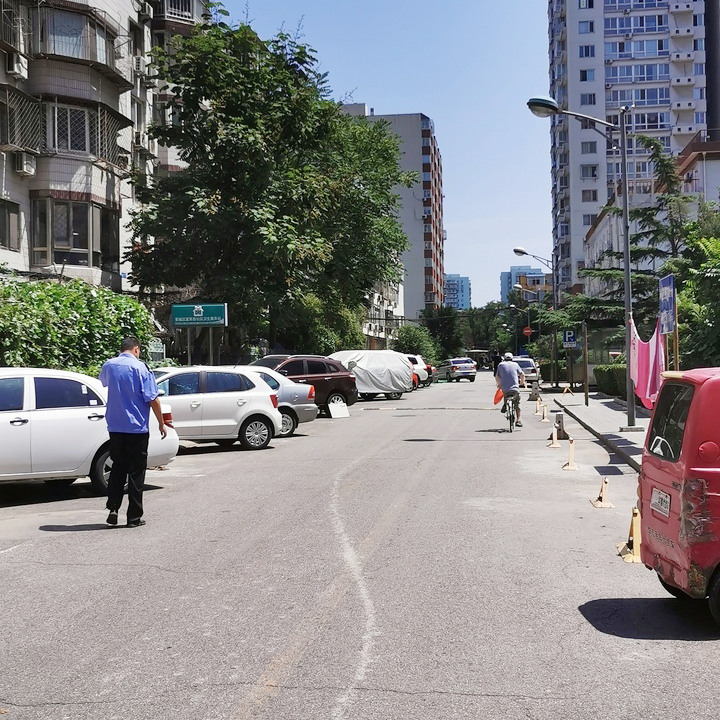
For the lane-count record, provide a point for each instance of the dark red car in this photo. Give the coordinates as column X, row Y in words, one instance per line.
column 333, row 383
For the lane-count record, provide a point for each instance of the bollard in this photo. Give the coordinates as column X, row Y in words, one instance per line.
column 560, row 424
column 601, row 501
column 544, row 417
column 534, row 392
column 554, row 438
column 630, row 551
column 570, row 464
column 537, row 407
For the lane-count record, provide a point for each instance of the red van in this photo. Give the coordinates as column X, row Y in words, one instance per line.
column 680, row 487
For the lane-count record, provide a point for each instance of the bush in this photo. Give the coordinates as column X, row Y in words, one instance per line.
column 71, row 326
column 546, row 371
column 417, row 340
column 610, row 379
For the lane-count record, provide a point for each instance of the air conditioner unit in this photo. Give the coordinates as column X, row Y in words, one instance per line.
column 626, row 11
column 628, row 36
column 146, row 11
column 139, row 65
column 16, row 65
column 608, row 61
column 608, row 86
column 140, row 138
column 25, row 164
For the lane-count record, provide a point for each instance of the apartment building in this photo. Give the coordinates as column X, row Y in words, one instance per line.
column 605, row 54
column 458, row 292
column 532, row 276
column 76, row 100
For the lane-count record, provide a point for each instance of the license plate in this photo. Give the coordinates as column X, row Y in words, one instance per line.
column 660, row 501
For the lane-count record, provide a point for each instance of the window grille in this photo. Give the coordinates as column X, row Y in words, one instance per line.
column 20, row 125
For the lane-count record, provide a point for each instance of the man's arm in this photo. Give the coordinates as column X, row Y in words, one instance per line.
column 157, row 409
column 522, row 378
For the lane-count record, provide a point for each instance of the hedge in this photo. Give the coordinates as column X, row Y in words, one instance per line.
column 545, row 370
column 611, row 379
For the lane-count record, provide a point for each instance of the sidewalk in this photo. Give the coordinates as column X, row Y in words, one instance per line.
column 603, row 417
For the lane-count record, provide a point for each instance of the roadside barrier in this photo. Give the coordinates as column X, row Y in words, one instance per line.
column 570, row 464
column 537, row 407
column 554, row 438
column 544, row 417
column 601, row 501
column 630, row 551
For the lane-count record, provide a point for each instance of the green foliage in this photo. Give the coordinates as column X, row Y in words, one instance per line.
column 416, row 339
column 71, row 326
column 443, row 325
column 610, row 379
column 284, row 197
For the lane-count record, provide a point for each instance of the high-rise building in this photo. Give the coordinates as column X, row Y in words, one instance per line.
column 76, row 99
column 648, row 55
column 421, row 214
column 508, row 280
column 457, row 292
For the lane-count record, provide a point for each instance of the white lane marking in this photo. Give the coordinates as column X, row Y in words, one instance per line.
column 6, row 550
column 353, row 564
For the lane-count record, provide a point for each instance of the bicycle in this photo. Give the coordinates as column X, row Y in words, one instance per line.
column 511, row 413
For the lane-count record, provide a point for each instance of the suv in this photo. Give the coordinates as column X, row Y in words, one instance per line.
column 421, row 369
column 333, row 383
column 456, row 368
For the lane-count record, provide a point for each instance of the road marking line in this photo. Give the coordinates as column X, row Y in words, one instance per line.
column 2, row 552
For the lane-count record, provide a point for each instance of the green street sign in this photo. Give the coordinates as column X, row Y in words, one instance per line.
column 199, row 315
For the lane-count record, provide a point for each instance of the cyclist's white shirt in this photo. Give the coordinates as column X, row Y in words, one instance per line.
column 508, row 373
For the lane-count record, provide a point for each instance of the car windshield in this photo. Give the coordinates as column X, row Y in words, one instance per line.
column 270, row 361
column 160, row 373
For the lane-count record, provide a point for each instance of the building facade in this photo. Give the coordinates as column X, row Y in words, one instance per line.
column 76, row 99
column 509, row 279
column 458, row 292
column 648, row 55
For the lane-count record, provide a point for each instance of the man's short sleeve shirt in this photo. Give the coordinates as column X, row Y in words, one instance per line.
column 131, row 388
column 509, row 374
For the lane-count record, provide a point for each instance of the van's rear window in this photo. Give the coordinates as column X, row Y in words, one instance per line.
column 668, row 427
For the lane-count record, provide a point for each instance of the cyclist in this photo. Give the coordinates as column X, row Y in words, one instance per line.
column 509, row 377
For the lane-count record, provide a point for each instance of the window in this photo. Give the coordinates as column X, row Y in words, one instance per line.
column 587, row 51
column 588, row 148
column 698, row 93
column 427, row 194
column 60, row 393
column 587, row 98
column 699, row 69
column 699, row 44
column 428, row 262
column 617, row 25
column 588, row 171
column 698, row 20
column 12, row 392
column 316, row 367
column 426, row 141
column 218, row 382
column 183, row 384
column 589, row 195
column 586, row 4
column 427, row 228
column 589, row 219
column 9, row 225
column 587, row 75
column 270, row 380
column 427, row 176
column 75, row 35
column 650, row 23
column 586, row 26
column 668, row 428
column 293, row 367
column 587, row 124
column 700, row 118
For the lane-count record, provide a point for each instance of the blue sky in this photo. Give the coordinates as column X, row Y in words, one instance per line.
column 470, row 65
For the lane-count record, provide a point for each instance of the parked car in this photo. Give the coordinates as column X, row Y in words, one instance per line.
column 52, row 427
column 378, row 372
column 527, row 365
column 296, row 401
column 221, row 405
column 333, row 383
column 421, row 369
column 457, row 368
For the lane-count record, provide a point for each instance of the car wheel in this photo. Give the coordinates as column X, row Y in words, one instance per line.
column 255, row 433
column 472, row 379
column 225, row 443
column 334, row 398
column 393, row 395
column 368, row 396
column 289, row 423
column 676, row 592
column 448, row 378
column 100, row 471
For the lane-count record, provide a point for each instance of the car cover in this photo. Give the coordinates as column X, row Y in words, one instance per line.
column 377, row 371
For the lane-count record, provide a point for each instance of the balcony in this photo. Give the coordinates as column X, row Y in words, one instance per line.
column 677, row 8
column 681, row 57
column 681, row 105
column 183, row 10
column 687, row 32
column 687, row 81
column 684, row 130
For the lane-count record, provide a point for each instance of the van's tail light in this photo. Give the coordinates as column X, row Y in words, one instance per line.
column 273, row 397
column 311, row 393
column 167, row 419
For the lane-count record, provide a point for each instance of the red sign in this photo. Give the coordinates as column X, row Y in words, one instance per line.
column 528, row 331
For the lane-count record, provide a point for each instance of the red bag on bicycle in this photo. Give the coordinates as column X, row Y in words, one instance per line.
column 498, row 396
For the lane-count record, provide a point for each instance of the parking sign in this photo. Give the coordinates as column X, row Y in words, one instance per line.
column 569, row 339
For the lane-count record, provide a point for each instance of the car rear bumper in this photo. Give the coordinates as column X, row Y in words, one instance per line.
column 306, row 413
column 463, row 373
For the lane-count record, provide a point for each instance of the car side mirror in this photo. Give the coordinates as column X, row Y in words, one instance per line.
column 283, row 372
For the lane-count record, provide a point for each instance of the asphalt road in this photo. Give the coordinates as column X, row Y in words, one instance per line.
column 411, row 561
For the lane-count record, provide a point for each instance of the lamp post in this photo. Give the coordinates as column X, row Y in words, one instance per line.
column 547, row 107
column 552, row 266
column 518, row 286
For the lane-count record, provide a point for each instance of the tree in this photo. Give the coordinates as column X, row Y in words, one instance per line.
column 284, row 196
column 443, row 325
column 416, row 339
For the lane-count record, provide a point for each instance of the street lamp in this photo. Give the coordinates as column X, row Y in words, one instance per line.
column 545, row 107
column 518, row 286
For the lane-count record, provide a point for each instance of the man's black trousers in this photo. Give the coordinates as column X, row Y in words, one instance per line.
column 128, row 452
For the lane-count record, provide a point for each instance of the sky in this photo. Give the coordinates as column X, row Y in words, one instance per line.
column 471, row 66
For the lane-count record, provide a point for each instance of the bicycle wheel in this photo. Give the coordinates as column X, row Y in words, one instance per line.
column 511, row 414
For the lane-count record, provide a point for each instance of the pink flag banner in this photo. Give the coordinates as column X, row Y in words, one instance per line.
column 647, row 362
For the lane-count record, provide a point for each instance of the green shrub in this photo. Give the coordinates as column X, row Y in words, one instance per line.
column 546, row 371
column 610, row 379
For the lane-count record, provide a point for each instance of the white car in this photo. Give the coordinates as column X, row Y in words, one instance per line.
column 296, row 401
column 529, row 368
column 52, row 427
column 420, row 369
column 221, row 405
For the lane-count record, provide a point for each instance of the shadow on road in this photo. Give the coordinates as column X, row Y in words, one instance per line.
column 494, row 430
column 34, row 492
column 76, row 528
column 216, row 449
column 419, row 440
column 651, row 618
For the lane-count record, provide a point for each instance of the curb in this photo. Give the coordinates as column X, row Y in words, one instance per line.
column 604, row 439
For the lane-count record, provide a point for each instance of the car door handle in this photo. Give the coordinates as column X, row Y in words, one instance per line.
column 95, row 416
column 241, row 402
column 195, row 404
column 301, row 381
column 326, row 378
column 19, row 421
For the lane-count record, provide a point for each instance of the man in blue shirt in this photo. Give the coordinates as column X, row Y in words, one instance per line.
column 132, row 391
column 509, row 377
